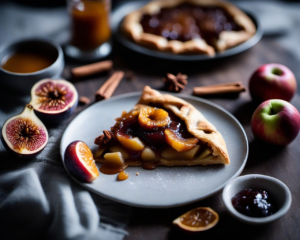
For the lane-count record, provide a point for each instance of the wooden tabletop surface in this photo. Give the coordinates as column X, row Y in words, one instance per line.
column 279, row 162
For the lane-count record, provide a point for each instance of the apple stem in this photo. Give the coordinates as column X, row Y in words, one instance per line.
column 271, row 109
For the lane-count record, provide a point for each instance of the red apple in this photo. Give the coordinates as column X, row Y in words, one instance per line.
column 276, row 121
column 272, row 81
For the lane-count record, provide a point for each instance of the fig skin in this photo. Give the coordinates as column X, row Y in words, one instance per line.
column 37, row 121
column 54, row 116
column 74, row 166
column 23, row 156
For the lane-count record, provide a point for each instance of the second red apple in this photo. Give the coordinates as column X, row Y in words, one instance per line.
column 272, row 81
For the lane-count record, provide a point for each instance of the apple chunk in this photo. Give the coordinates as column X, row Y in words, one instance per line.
column 119, row 148
column 171, row 153
column 115, row 159
column 99, row 152
column 148, row 155
column 134, row 143
column 205, row 153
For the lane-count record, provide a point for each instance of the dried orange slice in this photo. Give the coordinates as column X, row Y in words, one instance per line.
column 198, row 219
column 80, row 163
column 152, row 118
column 178, row 143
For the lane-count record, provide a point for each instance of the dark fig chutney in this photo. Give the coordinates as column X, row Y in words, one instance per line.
column 254, row 203
column 188, row 21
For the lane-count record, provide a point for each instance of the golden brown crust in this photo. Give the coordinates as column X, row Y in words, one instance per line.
column 133, row 29
column 196, row 123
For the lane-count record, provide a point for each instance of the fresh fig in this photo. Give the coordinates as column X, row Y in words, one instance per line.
column 53, row 100
column 24, row 134
column 80, row 163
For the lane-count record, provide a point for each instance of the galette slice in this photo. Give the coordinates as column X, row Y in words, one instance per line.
column 160, row 130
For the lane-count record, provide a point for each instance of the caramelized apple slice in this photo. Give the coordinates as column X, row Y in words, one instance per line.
column 148, row 155
column 99, row 152
column 151, row 118
column 134, row 143
column 119, row 148
column 171, row 153
column 114, row 159
column 178, row 143
column 205, row 153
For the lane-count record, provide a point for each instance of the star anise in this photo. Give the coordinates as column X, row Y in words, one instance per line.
column 175, row 83
column 108, row 138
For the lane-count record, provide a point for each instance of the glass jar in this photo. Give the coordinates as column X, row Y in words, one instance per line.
column 90, row 28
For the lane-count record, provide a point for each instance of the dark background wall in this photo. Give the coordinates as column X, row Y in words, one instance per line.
column 53, row 3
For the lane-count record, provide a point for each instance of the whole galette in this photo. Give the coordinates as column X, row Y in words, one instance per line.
column 188, row 26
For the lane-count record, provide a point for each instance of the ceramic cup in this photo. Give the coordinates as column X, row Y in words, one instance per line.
column 22, row 82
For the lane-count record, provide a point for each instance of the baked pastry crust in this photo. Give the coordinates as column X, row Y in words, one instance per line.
column 196, row 124
column 132, row 28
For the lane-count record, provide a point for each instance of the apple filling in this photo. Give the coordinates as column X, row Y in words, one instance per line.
column 148, row 137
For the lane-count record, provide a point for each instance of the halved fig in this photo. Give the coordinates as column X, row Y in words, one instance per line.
column 178, row 143
column 24, row 134
column 80, row 163
column 152, row 118
column 54, row 100
column 198, row 219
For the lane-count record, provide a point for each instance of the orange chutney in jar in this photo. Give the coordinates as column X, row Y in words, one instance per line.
column 90, row 23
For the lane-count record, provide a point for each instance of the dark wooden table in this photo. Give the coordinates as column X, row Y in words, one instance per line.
column 279, row 162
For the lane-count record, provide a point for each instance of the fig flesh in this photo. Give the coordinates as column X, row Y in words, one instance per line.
column 24, row 134
column 53, row 100
column 80, row 163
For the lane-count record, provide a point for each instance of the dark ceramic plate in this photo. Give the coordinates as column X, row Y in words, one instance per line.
column 165, row 186
column 122, row 10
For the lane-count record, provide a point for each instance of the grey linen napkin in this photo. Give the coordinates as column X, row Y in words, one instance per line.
column 38, row 200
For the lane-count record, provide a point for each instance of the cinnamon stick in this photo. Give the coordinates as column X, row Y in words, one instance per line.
column 224, row 85
column 91, row 69
column 234, row 87
column 108, row 88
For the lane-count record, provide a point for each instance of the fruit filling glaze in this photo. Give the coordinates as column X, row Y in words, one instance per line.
column 254, row 203
column 186, row 22
column 143, row 137
column 153, row 129
column 53, row 96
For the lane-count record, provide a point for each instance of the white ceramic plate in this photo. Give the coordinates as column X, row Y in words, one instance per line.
column 164, row 186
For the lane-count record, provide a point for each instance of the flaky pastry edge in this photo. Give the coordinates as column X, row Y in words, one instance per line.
column 132, row 28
